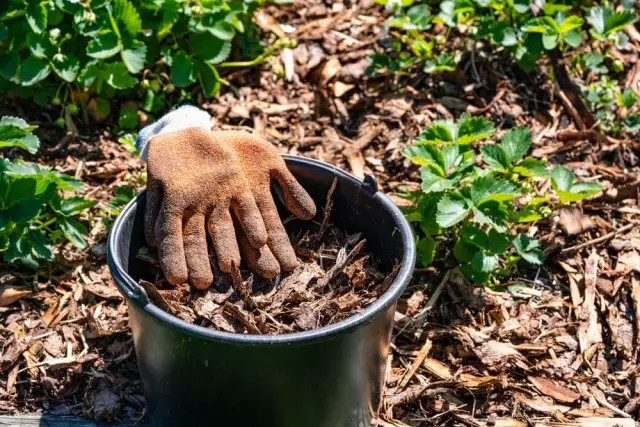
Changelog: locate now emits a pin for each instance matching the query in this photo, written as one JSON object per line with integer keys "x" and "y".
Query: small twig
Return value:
{"x": 599, "y": 239}
{"x": 601, "y": 399}
{"x": 340, "y": 265}
{"x": 235, "y": 312}
{"x": 424, "y": 351}
{"x": 419, "y": 318}
{"x": 326, "y": 214}
{"x": 243, "y": 289}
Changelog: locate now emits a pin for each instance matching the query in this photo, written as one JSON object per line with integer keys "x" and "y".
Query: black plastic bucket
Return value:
{"x": 329, "y": 377}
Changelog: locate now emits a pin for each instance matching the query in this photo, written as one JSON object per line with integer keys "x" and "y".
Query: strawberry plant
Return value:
{"x": 34, "y": 209}
{"x": 81, "y": 54}
{"x": 474, "y": 202}
{"x": 526, "y": 30}
{"x": 408, "y": 45}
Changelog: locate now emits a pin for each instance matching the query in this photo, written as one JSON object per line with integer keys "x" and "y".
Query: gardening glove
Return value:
{"x": 261, "y": 162}
{"x": 198, "y": 177}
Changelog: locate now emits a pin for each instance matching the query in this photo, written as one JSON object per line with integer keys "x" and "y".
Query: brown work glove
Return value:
{"x": 198, "y": 177}
{"x": 260, "y": 162}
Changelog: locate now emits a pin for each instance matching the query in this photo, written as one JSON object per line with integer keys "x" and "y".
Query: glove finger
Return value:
{"x": 296, "y": 198}
{"x": 247, "y": 213}
{"x": 224, "y": 239}
{"x": 196, "y": 254}
{"x": 278, "y": 242}
{"x": 260, "y": 260}
{"x": 171, "y": 246}
{"x": 154, "y": 200}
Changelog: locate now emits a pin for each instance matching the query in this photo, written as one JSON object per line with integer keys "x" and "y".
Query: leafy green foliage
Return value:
{"x": 526, "y": 30}
{"x": 33, "y": 213}
{"x": 476, "y": 203}
{"x": 410, "y": 49}
{"x": 610, "y": 103}
{"x": 61, "y": 52}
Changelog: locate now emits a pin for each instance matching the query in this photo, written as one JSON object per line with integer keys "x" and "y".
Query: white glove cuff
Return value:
{"x": 181, "y": 118}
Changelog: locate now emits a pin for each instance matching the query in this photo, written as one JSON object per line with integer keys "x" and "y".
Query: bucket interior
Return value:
{"x": 355, "y": 209}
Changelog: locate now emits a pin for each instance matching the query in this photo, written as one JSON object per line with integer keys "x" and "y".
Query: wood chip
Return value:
{"x": 554, "y": 390}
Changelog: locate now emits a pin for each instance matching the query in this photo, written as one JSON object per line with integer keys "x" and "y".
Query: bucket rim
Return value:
{"x": 135, "y": 294}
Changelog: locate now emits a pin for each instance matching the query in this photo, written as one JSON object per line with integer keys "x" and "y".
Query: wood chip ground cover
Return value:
{"x": 483, "y": 358}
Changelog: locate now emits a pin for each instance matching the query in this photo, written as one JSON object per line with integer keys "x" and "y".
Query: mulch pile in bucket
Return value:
{"x": 336, "y": 278}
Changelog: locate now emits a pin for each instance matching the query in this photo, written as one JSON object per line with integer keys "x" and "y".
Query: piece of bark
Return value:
{"x": 554, "y": 390}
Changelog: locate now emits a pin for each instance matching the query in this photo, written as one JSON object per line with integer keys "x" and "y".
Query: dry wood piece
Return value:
{"x": 554, "y": 390}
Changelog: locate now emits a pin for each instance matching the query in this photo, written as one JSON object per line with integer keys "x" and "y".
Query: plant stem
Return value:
{"x": 46, "y": 224}
{"x": 256, "y": 61}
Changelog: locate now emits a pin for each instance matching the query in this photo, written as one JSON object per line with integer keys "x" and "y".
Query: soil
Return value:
{"x": 559, "y": 344}
{"x": 336, "y": 278}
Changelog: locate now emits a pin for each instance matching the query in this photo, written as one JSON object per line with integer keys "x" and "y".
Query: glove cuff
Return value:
{"x": 181, "y": 118}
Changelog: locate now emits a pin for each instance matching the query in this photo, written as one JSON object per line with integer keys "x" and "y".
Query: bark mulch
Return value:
{"x": 553, "y": 346}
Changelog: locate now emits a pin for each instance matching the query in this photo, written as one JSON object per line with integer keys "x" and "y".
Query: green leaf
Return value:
{"x": 428, "y": 207}
{"x": 550, "y": 40}
{"x": 551, "y": 8}
{"x": 526, "y": 215}
{"x": 435, "y": 183}
{"x": 209, "y": 79}
{"x": 531, "y": 167}
{"x": 473, "y": 129}
{"x": 562, "y": 178}
{"x": 463, "y": 252}
{"x": 33, "y": 71}
{"x": 127, "y": 15}
{"x": 483, "y": 263}
{"x": 632, "y": 123}
{"x": 452, "y": 209}
{"x": 475, "y": 236}
{"x": 128, "y": 117}
{"x": 570, "y": 23}
{"x": 516, "y": 143}
{"x": 490, "y": 212}
{"x": 182, "y": 70}
{"x": 542, "y": 25}
{"x": 579, "y": 191}
{"x": 73, "y": 205}
{"x": 104, "y": 46}
{"x": 488, "y": 188}
{"x": 73, "y": 231}
{"x": 20, "y": 249}
{"x": 426, "y": 251}
{"x": 66, "y": 67}
{"x": 117, "y": 76}
{"x": 39, "y": 247}
{"x": 441, "y": 132}
{"x": 133, "y": 55}
{"x": 222, "y": 30}
{"x": 36, "y": 16}
{"x": 606, "y": 22}
{"x": 9, "y": 64}
{"x": 40, "y": 46}
{"x": 90, "y": 75}
{"x": 14, "y": 136}
{"x": 498, "y": 241}
{"x": 495, "y": 157}
{"x": 527, "y": 248}
{"x": 573, "y": 38}
{"x": 627, "y": 99}
{"x": 425, "y": 155}
{"x": 90, "y": 23}
{"x": 209, "y": 48}
{"x": 477, "y": 277}
{"x": 593, "y": 61}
